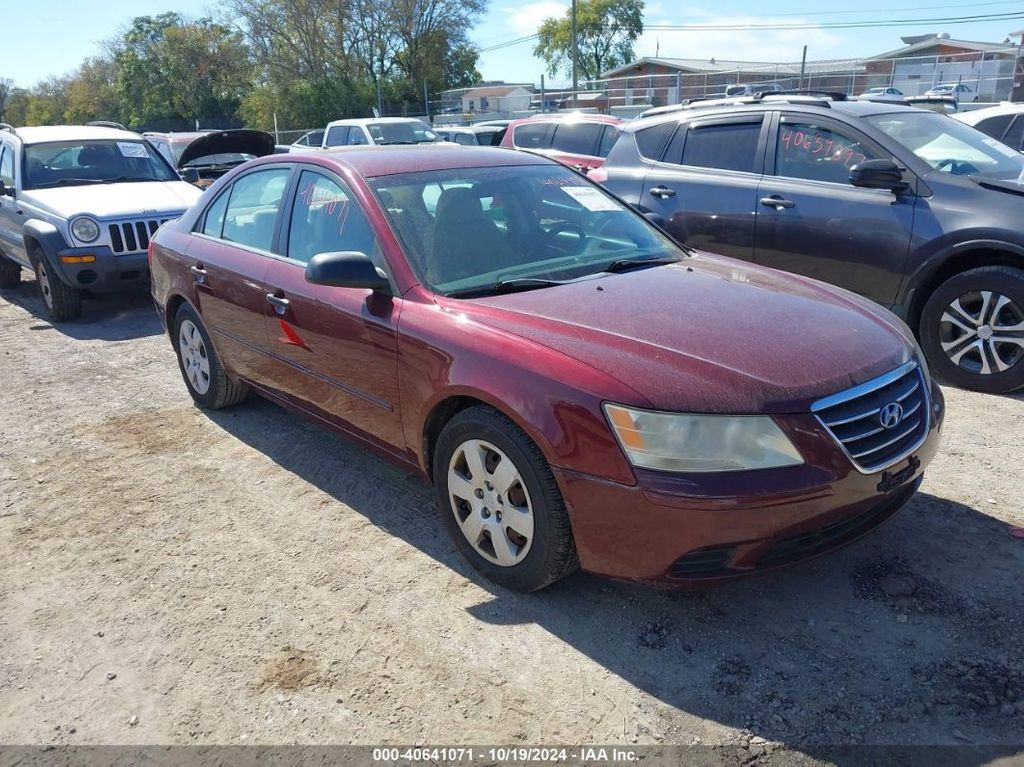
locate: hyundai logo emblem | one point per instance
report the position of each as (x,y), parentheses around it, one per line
(891,415)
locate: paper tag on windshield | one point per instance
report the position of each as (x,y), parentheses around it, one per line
(132,150)
(590,198)
(1002,148)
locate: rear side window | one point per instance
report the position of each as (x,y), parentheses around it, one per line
(995,126)
(724,146)
(608,138)
(252,210)
(1015,135)
(577,137)
(533,135)
(651,141)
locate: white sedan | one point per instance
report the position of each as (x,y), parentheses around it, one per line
(881,94)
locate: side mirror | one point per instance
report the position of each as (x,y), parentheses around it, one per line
(347,269)
(6,191)
(878,174)
(655,218)
(191,175)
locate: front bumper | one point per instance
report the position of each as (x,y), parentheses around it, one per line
(107,274)
(697,530)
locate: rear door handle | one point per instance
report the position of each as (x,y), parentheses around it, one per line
(199,272)
(777,201)
(279,303)
(663,192)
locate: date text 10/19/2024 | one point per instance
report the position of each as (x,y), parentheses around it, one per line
(492,754)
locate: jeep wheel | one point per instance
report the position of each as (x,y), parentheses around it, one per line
(62,303)
(204,376)
(972,329)
(10,274)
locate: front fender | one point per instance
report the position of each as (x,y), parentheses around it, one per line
(50,242)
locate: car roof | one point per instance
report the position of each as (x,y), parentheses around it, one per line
(854,108)
(374,120)
(568,116)
(48,133)
(372,160)
(977,115)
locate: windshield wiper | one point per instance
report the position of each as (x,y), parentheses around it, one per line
(625,264)
(126,179)
(505,286)
(69,182)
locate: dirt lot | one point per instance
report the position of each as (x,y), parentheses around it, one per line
(172,576)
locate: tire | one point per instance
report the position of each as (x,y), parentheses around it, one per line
(10,274)
(961,329)
(61,302)
(535,548)
(204,376)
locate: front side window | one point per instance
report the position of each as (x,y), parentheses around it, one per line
(994,126)
(325,219)
(74,163)
(338,135)
(817,152)
(723,146)
(7,165)
(253,206)
(1014,136)
(467,230)
(951,146)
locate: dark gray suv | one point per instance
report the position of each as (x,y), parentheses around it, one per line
(906,207)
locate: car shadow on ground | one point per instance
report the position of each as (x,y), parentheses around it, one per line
(105,317)
(909,636)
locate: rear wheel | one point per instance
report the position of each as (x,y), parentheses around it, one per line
(10,274)
(204,376)
(500,501)
(972,329)
(62,302)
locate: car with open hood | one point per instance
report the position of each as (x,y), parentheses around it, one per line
(204,156)
(78,205)
(580,390)
(904,206)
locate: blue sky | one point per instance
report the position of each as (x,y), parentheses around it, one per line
(48,37)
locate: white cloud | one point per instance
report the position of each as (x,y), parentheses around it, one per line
(525,19)
(738,44)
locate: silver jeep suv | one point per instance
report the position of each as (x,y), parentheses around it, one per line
(78,205)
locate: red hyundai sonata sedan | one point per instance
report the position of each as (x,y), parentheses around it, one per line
(579,390)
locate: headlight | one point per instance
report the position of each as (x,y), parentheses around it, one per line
(85,229)
(685,442)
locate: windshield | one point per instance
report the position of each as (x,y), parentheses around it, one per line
(411,132)
(951,146)
(468,229)
(73,163)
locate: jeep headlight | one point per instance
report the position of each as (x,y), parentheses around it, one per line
(687,442)
(85,229)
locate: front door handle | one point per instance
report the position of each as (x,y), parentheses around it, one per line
(777,201)
(663,192)
(199,272)
(279,303)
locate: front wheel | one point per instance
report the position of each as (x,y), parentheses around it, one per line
(62,302)
(972,329)
(204,376)
(500,501)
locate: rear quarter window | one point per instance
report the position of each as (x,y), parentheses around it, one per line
(650,142)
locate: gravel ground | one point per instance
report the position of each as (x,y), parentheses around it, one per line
(173,576)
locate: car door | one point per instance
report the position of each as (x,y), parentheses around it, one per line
(11,243)
(232,247)
(812,221)
(336,348)
(705,185)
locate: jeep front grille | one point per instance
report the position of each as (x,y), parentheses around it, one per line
(880,422)
(133,236)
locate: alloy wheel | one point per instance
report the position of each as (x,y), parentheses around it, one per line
(983,332)
(491,503)
(194,359)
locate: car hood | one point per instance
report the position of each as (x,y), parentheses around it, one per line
(254,142)
(115,200)
(710,334)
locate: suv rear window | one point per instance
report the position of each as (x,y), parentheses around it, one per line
(724,146)
(533,136)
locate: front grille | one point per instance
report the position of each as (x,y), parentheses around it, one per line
(133,236)
(881,422)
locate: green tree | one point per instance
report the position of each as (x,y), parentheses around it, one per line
(605,33)
(47,102)
(16,109)
(6,92)
(92,92)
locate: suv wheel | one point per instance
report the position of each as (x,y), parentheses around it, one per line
(972,329)
(500,501)
(204,376)
(62,303)
(10,274)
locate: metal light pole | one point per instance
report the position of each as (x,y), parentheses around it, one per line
(575,54)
